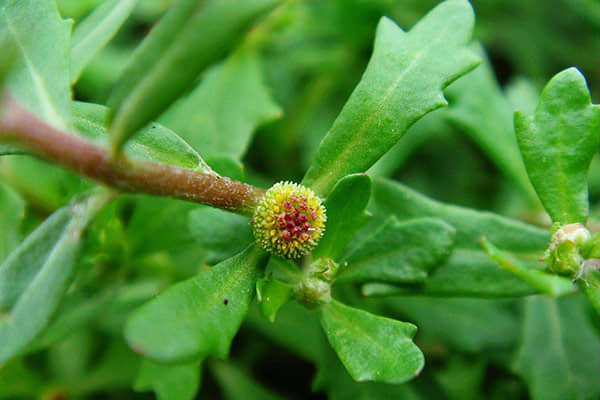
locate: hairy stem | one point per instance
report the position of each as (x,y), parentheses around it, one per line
(21,127)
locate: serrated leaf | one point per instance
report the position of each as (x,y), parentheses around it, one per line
(222,232)
(192,35)
(238,384)
(558,143)
(12,213)
(559,356)
(466,273)
(372,348)
(199,317)
(346,214)
(402,83)
(91,34)
(480,108)
(219,116)
(34,278)
(394,198)
(400,251)
(40,77)
(272,294)
(169,382)
(154,142)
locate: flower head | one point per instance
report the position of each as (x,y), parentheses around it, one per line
(289,220)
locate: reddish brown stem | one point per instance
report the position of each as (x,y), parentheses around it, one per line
(20,126)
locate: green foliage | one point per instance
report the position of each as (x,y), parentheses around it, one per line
(176,382)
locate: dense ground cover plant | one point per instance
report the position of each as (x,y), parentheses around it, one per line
(146,244)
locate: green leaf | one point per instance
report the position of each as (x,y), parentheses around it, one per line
(550,284)
(394,198)
(559,356)
(91,34)
(192,35)
(12,213)
(34,278)
(40,77)
(372,348)
(346,214)
(219,116)
(466,273)
(478,106)
(238,384)
(272,294)
(19,381)
(9,149)
(199,317)
(402,83)
(222,232)
(153,143)
(558,143)
(400,251)
(169,382)
(470,325)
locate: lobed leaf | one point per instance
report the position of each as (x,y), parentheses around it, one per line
(92,34)
(400,251)
(272,294)
(199,317)
(402,83)
(40,76)
(558,143)
(372,348)
(192,35)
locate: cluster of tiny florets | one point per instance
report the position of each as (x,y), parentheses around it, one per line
(289,220)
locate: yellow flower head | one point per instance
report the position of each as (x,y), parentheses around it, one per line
(289,220)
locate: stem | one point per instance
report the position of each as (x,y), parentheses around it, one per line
(20,126)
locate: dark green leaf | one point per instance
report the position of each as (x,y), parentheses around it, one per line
(402,83)
(400,251)
(35,276)
(237,384)
(559,357)
(372,348)
(558,143)
(199,317)
(466,273)
(192,35)
(272,295)
(154,142)
(91,34)
(169,382)
(345,208)
(394,198)
(40,77)
(12,212)
(220,115)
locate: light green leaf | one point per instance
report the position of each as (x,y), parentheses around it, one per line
(372,348)
(34,278)
(192,35)
(12,212)
(394,198)
(559,356)
(400,251)
(478,106)
(550,284)
(237,384)
(466,273)
(154,142)
(346,214)
(272,294)
(558,143)
(40,78)
(219,116)
(402,83)
(91,34)
(169,382)
(9,149)
(199,317)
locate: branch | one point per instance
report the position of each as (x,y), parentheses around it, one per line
(20,126)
